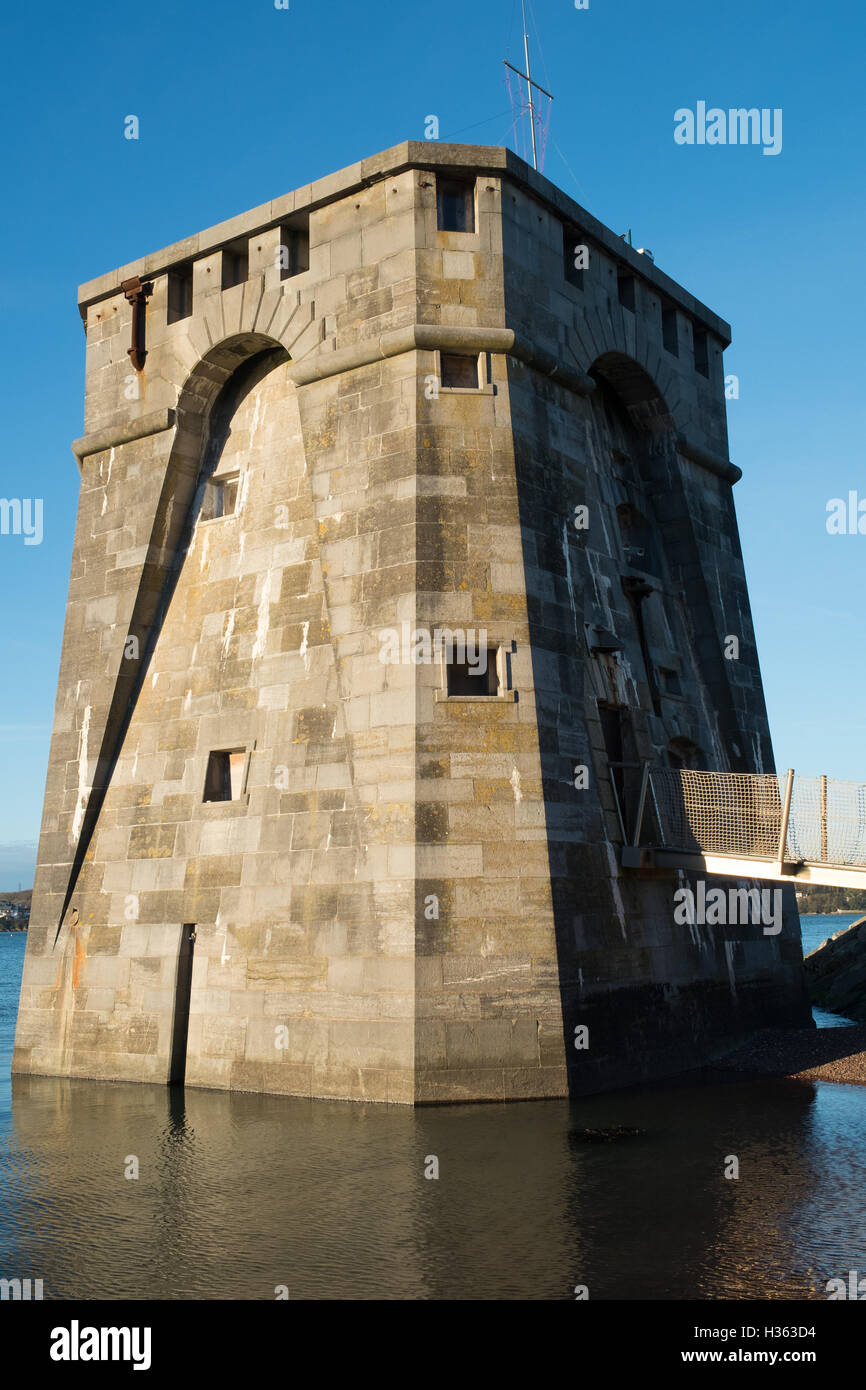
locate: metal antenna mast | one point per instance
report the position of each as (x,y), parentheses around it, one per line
(529,86)
(527,77)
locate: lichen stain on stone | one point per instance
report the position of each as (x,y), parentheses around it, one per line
(79,959)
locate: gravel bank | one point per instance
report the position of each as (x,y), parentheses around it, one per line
(821,1054)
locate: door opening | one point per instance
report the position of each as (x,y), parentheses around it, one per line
(182,993)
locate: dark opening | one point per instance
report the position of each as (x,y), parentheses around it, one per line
(294,251)
(459,370)
(638,540)
(235,267)
(670,681)
(466,679)
(182,994)
(611,727)
(455,205)
(180,293)
(571,242)
(224,777)
(625,290)
(670,332)
(683,754)
(702,353)
(220,498)
(637,591)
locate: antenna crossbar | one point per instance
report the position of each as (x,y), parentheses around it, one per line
(530,80)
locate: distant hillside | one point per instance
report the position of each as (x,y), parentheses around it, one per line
(10,905)
(819,899)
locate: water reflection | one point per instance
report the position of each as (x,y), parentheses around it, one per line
(240,1193)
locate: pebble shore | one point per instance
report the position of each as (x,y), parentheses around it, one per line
(804,1054)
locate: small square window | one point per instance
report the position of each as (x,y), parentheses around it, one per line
(459,370)
(670,681)
(480,677)
(224,779)
(702,353)
(455,205)
(625,290)
(670,331)
(575,254)
(179,293)
(294,252)
(235,265)
(220,498)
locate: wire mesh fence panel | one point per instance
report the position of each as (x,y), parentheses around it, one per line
(828,821)
(740,814)
(719,812)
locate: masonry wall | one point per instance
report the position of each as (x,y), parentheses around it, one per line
(411,900)
(645,987)
(301,892)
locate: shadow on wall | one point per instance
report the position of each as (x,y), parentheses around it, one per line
(615,935)
(207,403)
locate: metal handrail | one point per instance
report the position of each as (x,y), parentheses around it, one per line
(767,816)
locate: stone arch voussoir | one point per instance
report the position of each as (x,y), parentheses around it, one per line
(639,391)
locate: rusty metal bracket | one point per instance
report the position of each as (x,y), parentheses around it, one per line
(137,293)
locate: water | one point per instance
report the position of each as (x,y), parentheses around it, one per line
(12,947)
(820,926)
(815,930)
(238,1194)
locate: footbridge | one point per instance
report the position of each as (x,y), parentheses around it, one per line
(744,825)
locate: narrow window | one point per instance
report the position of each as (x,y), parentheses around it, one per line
(670,681)
(179,293)
(702,353)
(455,205)
(638,540)
(625,290)
(220,498)
(479,677)
(611,719)
(225,774)
(459,370)
(670,331)
(611,728)
(294,251)
(235,267)
(574,255)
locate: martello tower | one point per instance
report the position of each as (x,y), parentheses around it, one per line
(278,853)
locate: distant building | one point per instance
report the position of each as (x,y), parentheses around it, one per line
(296,838)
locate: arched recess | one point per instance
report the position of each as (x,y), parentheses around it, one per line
(661,557)
(637,441)
(636,389)
(208,401)
(211,394)
(635,407)
(635,448)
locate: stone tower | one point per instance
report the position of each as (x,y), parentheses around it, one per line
(295,838)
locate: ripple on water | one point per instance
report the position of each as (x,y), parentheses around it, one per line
(238,1194)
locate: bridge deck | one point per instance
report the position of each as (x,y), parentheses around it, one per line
(761,825)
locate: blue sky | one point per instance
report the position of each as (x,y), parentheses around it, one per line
(239,102)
